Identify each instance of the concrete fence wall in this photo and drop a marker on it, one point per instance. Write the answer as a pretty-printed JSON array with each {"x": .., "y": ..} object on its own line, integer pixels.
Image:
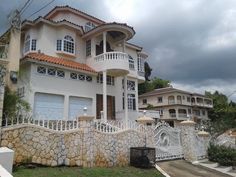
[{"x": 84, "y": 146}]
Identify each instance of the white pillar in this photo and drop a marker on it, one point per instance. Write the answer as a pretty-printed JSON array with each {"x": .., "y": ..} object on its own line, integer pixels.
[
  {"x": 126, "y": 101},
  {"x": 136, "y": 96},
  {"x": 104, "y": 42},
  {"x": 123, "y": 47},
  {"x": 104, "y": 95}
]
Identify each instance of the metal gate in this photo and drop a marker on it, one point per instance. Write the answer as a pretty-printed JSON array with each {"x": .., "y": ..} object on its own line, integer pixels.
[{"x": 168, "y": 142}]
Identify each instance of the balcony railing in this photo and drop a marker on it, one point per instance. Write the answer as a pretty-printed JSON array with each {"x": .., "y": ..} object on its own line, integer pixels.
[
  {"x": 172, "y": 114},
  {"x": 182, "y": 115},
  {"x": 111, "y": 56},
  {"x": 113, "y": 61},
  {"x": 171, "y": 102}
]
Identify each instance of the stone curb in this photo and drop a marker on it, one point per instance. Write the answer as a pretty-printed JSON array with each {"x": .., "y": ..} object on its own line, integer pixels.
[{"x": 162, "y": 171}]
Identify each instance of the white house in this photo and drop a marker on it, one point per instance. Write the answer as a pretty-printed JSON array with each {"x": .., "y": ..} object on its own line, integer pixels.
[{"x": 72, "y": 62}]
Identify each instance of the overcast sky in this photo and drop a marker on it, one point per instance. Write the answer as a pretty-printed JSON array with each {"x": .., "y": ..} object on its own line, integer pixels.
[{"x": 190, "y": 42}]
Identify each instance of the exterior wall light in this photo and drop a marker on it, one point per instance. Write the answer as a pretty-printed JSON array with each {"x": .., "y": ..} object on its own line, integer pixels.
[{"x": 13, "y": 76}]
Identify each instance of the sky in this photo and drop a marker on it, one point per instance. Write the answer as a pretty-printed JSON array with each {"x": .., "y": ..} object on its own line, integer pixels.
[{"x": 192, "y": 43}]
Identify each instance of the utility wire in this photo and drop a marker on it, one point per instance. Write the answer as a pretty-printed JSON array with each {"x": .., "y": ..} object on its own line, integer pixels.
[
  {"x": 41, "y": 9},
  {"x": 24, "y": 6},
  {"x": 27, "y": 6}
]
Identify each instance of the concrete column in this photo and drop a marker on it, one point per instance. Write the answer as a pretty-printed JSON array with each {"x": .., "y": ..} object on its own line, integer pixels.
[
  {"x": 66, "y": 107},
  {"x": 104, "y": 95},
  {"x": 126, "y": 101},
  {"x": 188, "y": 137},
  {"x": 104, "y": 35},
  {"x": 123, "y": 47}
]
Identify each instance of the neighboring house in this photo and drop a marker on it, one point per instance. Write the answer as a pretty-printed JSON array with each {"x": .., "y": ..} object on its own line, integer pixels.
[
  {"x": 72, "y": 63},
  {"x": 176, "y": 105}
]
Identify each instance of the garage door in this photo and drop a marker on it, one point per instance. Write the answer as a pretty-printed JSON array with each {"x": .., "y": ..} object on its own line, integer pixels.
[
  {"x": 76, "y": 106},
  {"x": 48, "y": 106}
]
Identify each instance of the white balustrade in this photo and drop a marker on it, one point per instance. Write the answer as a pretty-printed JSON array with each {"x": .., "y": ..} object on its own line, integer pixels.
[{"x": 111, "y": 56}]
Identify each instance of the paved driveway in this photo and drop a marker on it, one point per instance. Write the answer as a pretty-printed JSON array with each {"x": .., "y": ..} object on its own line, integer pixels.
[{"x": 181, "y": 168}]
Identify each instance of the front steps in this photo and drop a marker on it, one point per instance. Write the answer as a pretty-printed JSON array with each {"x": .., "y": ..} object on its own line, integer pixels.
[{"x": 215, "y": 166}]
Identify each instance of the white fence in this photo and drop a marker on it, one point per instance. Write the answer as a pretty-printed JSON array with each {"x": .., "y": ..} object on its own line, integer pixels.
[{"x": 149, "y": 113}]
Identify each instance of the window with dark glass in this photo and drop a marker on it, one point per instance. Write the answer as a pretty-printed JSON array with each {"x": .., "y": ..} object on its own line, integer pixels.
[
  {"x": 60, "y": 73},
  {"x": 33, "y": 44},
  {"x": 88, "y": 48},
  {"x": 68, "y": 43},
  {"x": 51, "y": 71},
  {"x": 59, "y": 44},
  {"x": 73, "y": 75},
  {"x": 41, "y": 70}
]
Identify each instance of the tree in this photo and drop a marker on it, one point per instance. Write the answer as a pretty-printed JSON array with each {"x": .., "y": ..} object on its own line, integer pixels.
[
  {"x": 223, "y": 113},
  {"x": 154, "y": 83},
  {"x": 147, "y": 70}
]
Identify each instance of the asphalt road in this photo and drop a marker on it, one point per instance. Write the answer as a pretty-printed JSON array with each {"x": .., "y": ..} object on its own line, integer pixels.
[{"x": 181, "y": 168}]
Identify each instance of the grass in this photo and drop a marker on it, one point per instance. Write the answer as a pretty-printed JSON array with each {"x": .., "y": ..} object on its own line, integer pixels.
[{"x": 85, "y": 172}]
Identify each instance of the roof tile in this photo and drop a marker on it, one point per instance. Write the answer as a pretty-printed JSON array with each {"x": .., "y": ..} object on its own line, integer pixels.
[{"x": 59, "y": 61}]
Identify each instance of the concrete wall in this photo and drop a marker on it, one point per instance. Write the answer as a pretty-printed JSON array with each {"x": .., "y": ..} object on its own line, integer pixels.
[{"x": 80, "y": 147}]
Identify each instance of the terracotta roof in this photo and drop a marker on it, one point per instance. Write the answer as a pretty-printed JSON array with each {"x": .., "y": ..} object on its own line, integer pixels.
[{"x": 59, "y": 61}]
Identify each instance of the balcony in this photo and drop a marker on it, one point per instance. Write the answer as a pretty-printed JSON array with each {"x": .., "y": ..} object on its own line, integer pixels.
[{"x": 115, "y": 63}]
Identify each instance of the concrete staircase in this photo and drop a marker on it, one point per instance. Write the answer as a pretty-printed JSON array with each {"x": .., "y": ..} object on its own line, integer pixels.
[{"x": 215, "y": 166}]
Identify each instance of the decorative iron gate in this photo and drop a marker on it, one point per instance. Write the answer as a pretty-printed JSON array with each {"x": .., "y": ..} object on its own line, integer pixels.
[{"x": 168, "y": 142}]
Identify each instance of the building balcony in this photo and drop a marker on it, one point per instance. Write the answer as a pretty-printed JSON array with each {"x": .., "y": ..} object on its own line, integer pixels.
[{"x": 115, "y": 63}]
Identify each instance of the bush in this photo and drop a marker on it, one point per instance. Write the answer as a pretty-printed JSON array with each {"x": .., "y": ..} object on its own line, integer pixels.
[{"x": 225, "y": 156}]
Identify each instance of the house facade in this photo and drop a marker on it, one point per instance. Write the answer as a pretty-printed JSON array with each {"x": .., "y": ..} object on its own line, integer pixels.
[
  {"x": 176, "y": 105},
  {"x": 72, "y": 64}
]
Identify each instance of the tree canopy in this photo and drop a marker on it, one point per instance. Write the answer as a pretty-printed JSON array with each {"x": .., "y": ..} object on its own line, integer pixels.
[
  {"x": 223, "y": 114},
  {"x": 154, "y": 83}
]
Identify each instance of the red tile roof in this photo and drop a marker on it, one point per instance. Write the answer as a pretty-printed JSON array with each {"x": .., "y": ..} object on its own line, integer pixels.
[{"x": 59, "y": 61}]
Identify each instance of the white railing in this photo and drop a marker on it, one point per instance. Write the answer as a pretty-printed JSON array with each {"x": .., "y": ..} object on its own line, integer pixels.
[
  {"x": 182, "y": 115},
  {"x": 112, "y": 126},
  {"x": 57, "y": 125},
  {"x": 111, "y": 56},
  {"x": 150, "y": 113}
]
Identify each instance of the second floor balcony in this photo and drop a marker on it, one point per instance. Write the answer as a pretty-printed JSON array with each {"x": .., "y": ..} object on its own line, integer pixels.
[{"x": 116, "y": 63}]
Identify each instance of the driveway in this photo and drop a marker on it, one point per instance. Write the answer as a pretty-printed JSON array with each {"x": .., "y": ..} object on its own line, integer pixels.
[{"x": 181, "y": 168}]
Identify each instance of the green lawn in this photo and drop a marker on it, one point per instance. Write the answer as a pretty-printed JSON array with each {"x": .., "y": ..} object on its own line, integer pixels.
[{"x": 85, "y": 172}]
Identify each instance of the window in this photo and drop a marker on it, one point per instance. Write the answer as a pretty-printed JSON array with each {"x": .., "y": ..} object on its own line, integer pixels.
[
  {"x": 27, "y": 44},
  {"x": 131, "y": 102},
  {"x": 33, "y": 44},
  {"x": 51, "y": 71},
  {"x": 188, "y": 99},
  {"x": 89, "y": 78},
  {"x": 144, "y": 101},
  {"x": 68, "y": 44},
  {"x": 88, "y": 26},
  {"x": 160, "y": 112},
  {"x": 88, "y": 48},
  {"x": 81, "y": 77},
  {"x": 41, "y": 70},
  {"x": 140, "y": 64},
  {"x": 203, "y": 112},
  {"x": 131, "y": 85},
  {"x": 183, "y": 97},
  {"x": 73, "y": 76},
  {"x": 159, "y": 99},
  {"x": 59, "y": 44},
  {"x": 21, "y": 92},
  {"x": 189, "y": 111},
  {"x": 131, "y": 63},
  {"x": 110, "y": 79},
  {"x": 60, "y": 73}
]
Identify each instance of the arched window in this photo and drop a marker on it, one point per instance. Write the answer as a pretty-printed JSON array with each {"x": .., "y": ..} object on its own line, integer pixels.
[
  {"x": 68, "y": 44},
  {"x": 27, "y": 44},
  {"x": 131, "y": 63},
  {"x": 171, "y": 100}
]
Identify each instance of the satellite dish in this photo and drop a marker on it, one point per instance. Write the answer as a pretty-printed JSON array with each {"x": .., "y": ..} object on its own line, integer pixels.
[{"x": 15, "y": 19}]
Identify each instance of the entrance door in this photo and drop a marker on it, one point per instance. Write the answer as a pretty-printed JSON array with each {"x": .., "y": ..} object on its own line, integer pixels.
[{"x": 110, "y": 107}]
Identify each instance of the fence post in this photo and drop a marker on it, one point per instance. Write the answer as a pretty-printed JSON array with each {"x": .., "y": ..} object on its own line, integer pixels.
[
  {"x": 86, "y": 124},
  {"x": 188, "y": 140}
]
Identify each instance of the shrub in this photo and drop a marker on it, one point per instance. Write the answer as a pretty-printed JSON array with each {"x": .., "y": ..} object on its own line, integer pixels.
[{"x": 225, "y": 156}]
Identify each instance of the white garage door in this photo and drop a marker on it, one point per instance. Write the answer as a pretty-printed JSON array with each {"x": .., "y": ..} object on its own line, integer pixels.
[
  {"x": 48, "y": 106},
  {"x": 76, "y": 106}
]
